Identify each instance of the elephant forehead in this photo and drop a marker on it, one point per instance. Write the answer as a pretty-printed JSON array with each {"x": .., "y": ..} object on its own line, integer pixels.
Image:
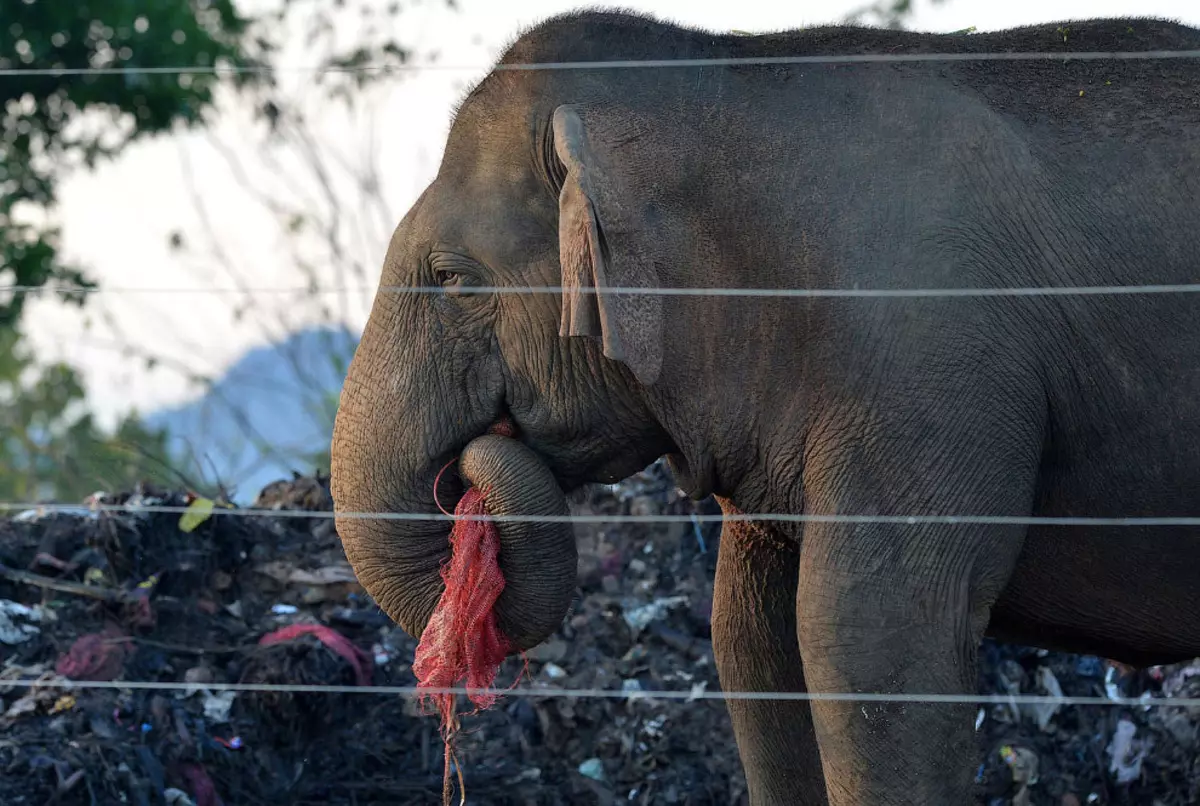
[{"x": 496, "y": 220}]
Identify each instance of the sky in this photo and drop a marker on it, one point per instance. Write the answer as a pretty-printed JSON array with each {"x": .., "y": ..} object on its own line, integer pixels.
[{"x": 116, "y": 220}]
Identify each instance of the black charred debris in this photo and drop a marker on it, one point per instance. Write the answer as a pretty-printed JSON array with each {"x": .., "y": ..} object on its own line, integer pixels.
[{"x": 208, "y": 599}]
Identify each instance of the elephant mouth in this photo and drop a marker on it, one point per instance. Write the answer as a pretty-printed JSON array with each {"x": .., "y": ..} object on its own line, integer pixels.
[{"x": 448, "y": 486}]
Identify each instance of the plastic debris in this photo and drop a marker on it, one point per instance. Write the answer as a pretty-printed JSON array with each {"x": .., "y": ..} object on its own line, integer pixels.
[
  {"x": 1177, "y": 683},
  {"x": 197, "y": 513},
  {"x": 13, "y": 615},
  {"x": 1126, "y": 760},
  {"x": 1024, "y": 765},
  {"x": 33, "y": 697},
  {"x": 177, "y": 797},
  {"x": 1044, "y": 712},
  {"x": 203, "y": 790},
  {"x": 63, "y": 703},
  {"x": 1112, "y": 688},
  {"x": 554, "y": 671},
  {"x": 96, "y": 656},
  {"x": 330, "y": 638},
  {"x": 284, "y": 609},
  {"x": 217, "y": 705},
  {"x": 592, "y": 768},
  {"x": 639, "y": 618}
]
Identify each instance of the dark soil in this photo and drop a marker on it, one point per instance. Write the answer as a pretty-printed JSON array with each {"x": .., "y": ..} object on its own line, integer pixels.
[{"x": 209, "y": 595}]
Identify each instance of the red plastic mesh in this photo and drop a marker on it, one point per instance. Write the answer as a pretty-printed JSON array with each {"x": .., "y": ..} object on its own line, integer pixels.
[
  {"x": 462, "y": 642},
  {"x": 337, "y": 642}
]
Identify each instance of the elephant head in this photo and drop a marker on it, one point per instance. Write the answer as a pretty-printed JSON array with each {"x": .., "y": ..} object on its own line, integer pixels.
[{"x": 531, "y": 194}]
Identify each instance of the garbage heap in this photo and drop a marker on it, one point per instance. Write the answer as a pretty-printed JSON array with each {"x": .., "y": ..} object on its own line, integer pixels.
[{"x": 98, "y": 607}]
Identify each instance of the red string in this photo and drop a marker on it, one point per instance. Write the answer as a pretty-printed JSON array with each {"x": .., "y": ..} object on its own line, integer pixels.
[{"x": 462, "y": 640}]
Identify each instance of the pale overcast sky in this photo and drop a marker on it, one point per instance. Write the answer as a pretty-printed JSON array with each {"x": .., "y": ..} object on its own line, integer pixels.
[{"x": 116, "y": 221}]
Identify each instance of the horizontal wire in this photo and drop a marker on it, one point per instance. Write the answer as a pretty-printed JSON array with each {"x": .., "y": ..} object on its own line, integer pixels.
[
  {"x": 902, "y": 520},
  {"x": 614, "y": 64},
  {"x": 550, "y": 692},
  {"x": 1014, "y": 291}
]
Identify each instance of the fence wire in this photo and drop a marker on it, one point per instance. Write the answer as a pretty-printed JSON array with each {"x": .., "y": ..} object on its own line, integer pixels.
[
  {"x": 550, "y": 692},
  {"x": 707, "y": 291},
  {"x": 38, "y": 509},
  {"x": 619, "y": 64}
]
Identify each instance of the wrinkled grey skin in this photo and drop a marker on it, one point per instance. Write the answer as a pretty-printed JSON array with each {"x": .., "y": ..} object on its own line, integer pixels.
[{"x": 896, "y": 176}]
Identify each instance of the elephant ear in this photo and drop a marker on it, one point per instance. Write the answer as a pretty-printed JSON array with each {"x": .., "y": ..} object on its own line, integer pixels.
[{"x": 603, "y": 245}]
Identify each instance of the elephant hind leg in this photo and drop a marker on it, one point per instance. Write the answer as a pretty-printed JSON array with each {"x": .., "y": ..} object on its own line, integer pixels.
[{"x": 756, "y": 649}]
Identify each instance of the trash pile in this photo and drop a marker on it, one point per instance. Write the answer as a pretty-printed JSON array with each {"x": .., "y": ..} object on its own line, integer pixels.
[{"x": 97, "y": 606}]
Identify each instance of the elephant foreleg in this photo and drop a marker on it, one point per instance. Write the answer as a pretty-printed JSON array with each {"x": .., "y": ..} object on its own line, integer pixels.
[
  {"x": 898, "y": 609},
  {"x": 756, "y": 649}
]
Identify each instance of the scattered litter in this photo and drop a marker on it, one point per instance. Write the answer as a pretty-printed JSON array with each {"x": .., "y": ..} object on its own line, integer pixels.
[
  {"x": 284, "y": 609},
  {"x": 330, "y": 638},
  {"x": 44, "y": 693},
  {"x": 1178, "y": 683},
  {"x": 214, "y": 603},
  {"x": 197, "y": 513},
  {"x": 1024, "y": 765},
  {"x": 1044, "y": 712},
  {"x": 64, "y": 703},
  {"x": 217, "y": 705},
  {"x": 698, "y": 533},
  {"x": 98, "y": 656},
  {"x": 592, "y": 768},
  {"x": 13, "y": 618},
  {"x": 203, "y": 790},
  {"x": 1111, "y": 688},
  {"x": 639, "y": 618},
  {"x": 177, "y": 797},
  {"x": 1126, "y": 761}
]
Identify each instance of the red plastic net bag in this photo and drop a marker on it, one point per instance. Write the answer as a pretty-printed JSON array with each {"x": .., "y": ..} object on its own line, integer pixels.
[{"x": 462, "y": 643}]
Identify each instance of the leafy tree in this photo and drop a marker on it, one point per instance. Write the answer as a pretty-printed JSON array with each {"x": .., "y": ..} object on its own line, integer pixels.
[
  {"x": 51, "y": 447},
  {"x": 44, "y": 117},
  {"x": 54, "y": 119},
  {"x": 885, "y": 13}
]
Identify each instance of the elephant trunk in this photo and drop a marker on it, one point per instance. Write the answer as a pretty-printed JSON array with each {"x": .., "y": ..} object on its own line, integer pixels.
[{"x": 399, "y": 561}]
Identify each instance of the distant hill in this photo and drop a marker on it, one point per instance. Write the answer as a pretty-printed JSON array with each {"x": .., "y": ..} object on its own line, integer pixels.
[{"x": 269, "y": 414}]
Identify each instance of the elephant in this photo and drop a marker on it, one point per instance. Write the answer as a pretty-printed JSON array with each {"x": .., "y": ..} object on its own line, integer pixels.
[{"x": 999, "y": 334}]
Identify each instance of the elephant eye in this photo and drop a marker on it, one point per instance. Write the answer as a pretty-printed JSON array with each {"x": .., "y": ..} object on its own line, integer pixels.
[{"x": 453, "y": 272}]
